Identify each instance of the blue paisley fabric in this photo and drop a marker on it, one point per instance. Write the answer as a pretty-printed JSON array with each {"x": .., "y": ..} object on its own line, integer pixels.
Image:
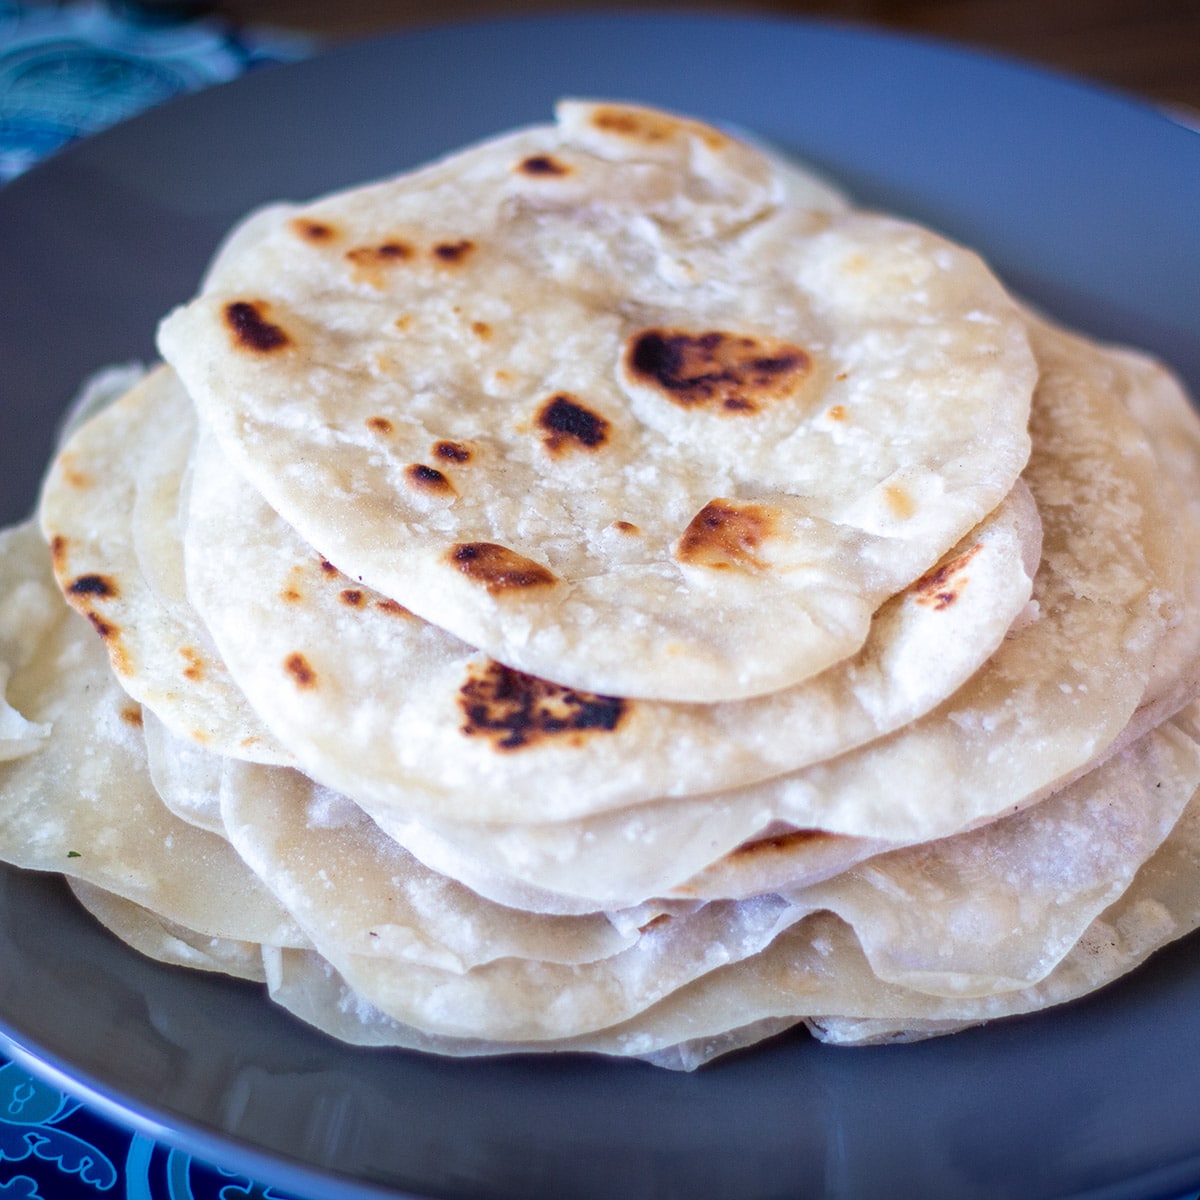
[
  {"x": 54, "y": 1148},
  {"x": 71, "y": 69}
]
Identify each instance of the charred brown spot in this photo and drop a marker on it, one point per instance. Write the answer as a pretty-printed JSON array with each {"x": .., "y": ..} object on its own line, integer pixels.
[
  {"x": 429, "y": 479},
  {"x": 58, "y": 551},
  {"x": 93, "y": 585},
  {"x": 385, "y": 252},
  {"x": 373, "y": 264},
  {"x": 313, "y": 231},
  {"x": 71, "y": 474},
  {"x": 252, "y": 329},
  {"x": 567, "y": 424},
  {"x": 837, "y": 413},
  {"x": 543, "y": 164},
  {"x": 498, "y": 568},
  {"x": 297, "y": 666},
  {"x": 643, "y": 125},
  {"x": 328, "y": 568},
  {"x": 514, "y": 710},
  {"x": 733, "y": 373},
  {"x": 453, "y": 252},
  {"x": 381, "y": 425},
  {"x": 779, "y": 843},
  {"x": 393, "y": 609},
  {"x": 625, "y": 527},
  {"x": 453, "y": 452},
  {"x": 481, "y": 329},
  {"x": 132, "y": 716},
  {"x": 941, "y": 587},
  {"x": 195, "y": 669},
  {"x": 655, "y": 923},
  {"x": 724, "y": 534},
  {"x": 351, "y": 596},
  {"x": 290, "y": 596},
  {"x": 104, "y": 628}
]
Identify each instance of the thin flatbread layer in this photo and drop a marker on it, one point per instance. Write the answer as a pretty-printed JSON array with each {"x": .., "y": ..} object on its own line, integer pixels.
[
  {"x": 1039, "y": 712},
  {"x": 347, "y": 883},
  {"x": 396, "y": 712},
  {"x": 162, "y": 658},
  {"x": 83, "y": 805},
  {"x": 168, "y": 941},
  {"x": 638, "y": 423},
  {"x": 814, "y": 969},
  {"x": 1035, "y": 715},
  {"x": 987, "y": 911}
]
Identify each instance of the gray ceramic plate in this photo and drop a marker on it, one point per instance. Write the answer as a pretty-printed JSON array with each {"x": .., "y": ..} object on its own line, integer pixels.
[{"x": 1084, "y": 201}]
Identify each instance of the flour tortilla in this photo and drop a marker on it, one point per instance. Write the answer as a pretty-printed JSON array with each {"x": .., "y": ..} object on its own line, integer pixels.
[
  {"x": 1040, "y": 711},
  {"x": 168, "y": 941},
  {"x": 816, "y": 968},
  {"x": 29, "y": 606},
  {"x": 447, "y": 384},
  {"x": 988, "y": 911},
  {"x": 396, "y": 712},
  {"x": 82, "y": 804},
  {"x": 162, "y": 657},
  {"x": 347, "y": 883},
  {"x": 1035, "y": 715},
  {"x": 186, "y": 777}
]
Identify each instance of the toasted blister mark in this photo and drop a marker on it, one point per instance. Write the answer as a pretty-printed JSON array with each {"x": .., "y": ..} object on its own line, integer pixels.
[
  {"x": 567, "y": 424},
  {"x": 514, "y": 710},
  {"x": 543, "y": 166},
  {"x": 732, "y": 373},
  {"x": 482, "y": 330},
  {"x": 900, "y": 501},
  {"x": 655, "y": 923},
  {"x": 299, "y": 668},
  {"x": 372, "y": 264},
  {"x": 453, "y": 253},
  {"x": 498, "y": 568},
  {"x": 327, "y": 568},
  {"x": 941, "y": 587},
  {"x": 290, "y": 595},
  {"x": 58, "y": 553},
  {"x": 650, "y": 126},
  {"x": 837, "y": 413},
  {"x": 779, "y": 843},
  {"x": 70, "y": 472},
  {"x": 195, "y": 668},
  {"x": 99, "y": 586},
  {"x": 381, "y": 426},
  {"x": 392, "y": 608},
  {"x": 132, "y": 715},
  {"x": 118, "y": 655},
  {"x": 351, "y": 597},
  {"x": 453, "y": 452},
  {"x": 726, "y": 534},
  {"x": 310, "y": 230},
  {"x": 252, "y": 330},
  {"x": 627, "y": 527},
  {"x": 429, "y": 479}
]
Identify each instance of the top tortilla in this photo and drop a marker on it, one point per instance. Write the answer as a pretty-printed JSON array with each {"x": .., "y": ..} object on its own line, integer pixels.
[{"x": 613, "y": 402}]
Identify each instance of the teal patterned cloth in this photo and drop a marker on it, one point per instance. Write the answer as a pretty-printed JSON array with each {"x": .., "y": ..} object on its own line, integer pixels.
[{"x": 69, "y": 70}]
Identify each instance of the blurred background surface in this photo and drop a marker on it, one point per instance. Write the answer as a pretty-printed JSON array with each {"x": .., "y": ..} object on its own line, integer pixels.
[{"x": 1148, "y": 47}]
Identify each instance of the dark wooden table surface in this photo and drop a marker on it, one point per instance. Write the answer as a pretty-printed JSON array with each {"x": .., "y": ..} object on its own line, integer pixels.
[{"x": 1148, "y": 47}]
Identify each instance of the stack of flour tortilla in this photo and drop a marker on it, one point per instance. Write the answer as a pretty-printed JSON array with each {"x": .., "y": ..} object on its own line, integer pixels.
[{"x": 605, "y": 592}]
